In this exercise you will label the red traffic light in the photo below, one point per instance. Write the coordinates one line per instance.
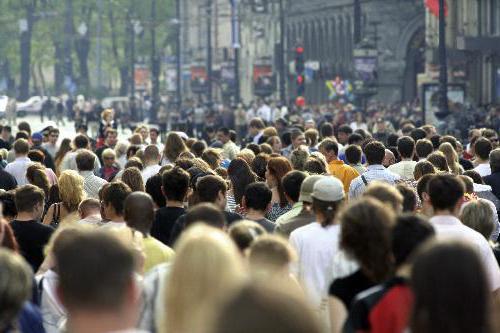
(299, 49)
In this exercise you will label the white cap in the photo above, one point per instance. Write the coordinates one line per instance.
(328, 189)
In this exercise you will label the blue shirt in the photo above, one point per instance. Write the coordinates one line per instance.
(373, 172)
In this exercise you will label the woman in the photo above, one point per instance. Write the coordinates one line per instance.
(277, 168)
(451, 158)
(71, 194)
(240, 175)
(38, 156)
(365, 236)
(359, 123)
(107, 121)
(259, 166)
(133, 178)
(275, 143)
(110, 168)
(439, 161)
(121, 153)
(451, 292)
(423, 168)
(35, 174)
(174, 146)
(64, 148)
(206, 269)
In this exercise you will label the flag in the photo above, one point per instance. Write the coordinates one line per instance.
(433, 6)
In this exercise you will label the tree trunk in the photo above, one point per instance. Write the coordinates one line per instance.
(36, 89)
(124, 72)
(68, 38)
(58, 67)
(82, 47)
(42, 78)
(25, 51)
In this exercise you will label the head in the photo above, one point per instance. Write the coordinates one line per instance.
(275, 143)
(389, 158)
(154, 134)
(89, 207)
(439, 161)
(270, 257)
(138, 212)
(478, 215)
(108, 157)
(406, 147)
(385, 193)
(153, 188)
(53, 135)
(423, 168)
(212, 189)
(71, 189)
(298, 158)
(113, 198)
(366, 236)
(446, 193)
(30, 199)
(292, 183)
(483, 148)
(374, 152)
(133, 178)
(223, 135)
(327, 197)
(111, 137)
(436, 307)
(277, 168)
(257, 197)
(409, 198)
(298, 138)
(85, 160)
(206, 213)
(259, 165)
(451, 157)
(198, 148)
(81, 142)
(353, 154)
(244, 233)
(343, 133)
(36, 155)
(35, 174)
(8, 205)
(495, 160)
(240, 175)
(255, 126)
(423, 148)
(21, 147)
(330, 149)
(174, 146)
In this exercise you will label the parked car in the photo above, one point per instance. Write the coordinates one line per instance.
(34, 104)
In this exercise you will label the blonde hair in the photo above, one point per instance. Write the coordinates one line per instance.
(270, 254)
(71, 189)
(206, 269)
(386, 194)
(270, 131)
(106, 113)
(121, 149)
(478, 216)
(108, 152)
(246, 154)
(133, 178)
(451, 157)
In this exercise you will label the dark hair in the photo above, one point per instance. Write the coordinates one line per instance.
(354, 138)
(8, 204)
(418, 134)
(326, 130)
(37, 176)
(439, 161)
(278, 167)
(366, 235)
(436, 141)
(85, 160)
(450, 139)
(253, 147)
(392, 140)
(224, 130)
(345, 129)
(406, 146)
(258, 196)
(27, 197)
(445, 191)
(36, 155)
(139, 212)
(440, 306)
(259, 165)
(21, 146)
(134, 162)
(495, 160)
(22, 135)
(408, 234)
(423, 148)
(108, 270)
(329, 145)
(81, 141)
(423, 168)
(207, 213)
(153, 188)
(314, 166)
(132, 150)
(212, 157)
(292, 182)
(422, 185)
(198, 148)
(24, 126)
(175, 184)
(328, 209)
(256, 123)
(483, 148)
(409, 197)
(208, 188)
(115, 194)
(353, 154)
(374, 152)
(240, 175)
(476, 177)
(244, 232)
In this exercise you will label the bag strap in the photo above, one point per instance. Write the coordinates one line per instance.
(363, 178)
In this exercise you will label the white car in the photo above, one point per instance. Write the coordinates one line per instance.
(34, 104)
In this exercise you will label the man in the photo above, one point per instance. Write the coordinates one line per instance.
(7, 181)
(229, 148)
(297, 138)
(291, 183)
(406, 149)
(482, 150)
(380, 131)
(69, 161)
(175, 186)
(306, 216)
(113, 198)
(139, 215)
(37, 140)
(5, 137)
(264, 111)
(330, 149)
(105, 297)
(151, 160)
(89, 211)
(85, 161)
(210, 189)
(51, 146)
(375, 153)
(256, 130)
(18, 167)
(423, 148)
(257, 202)
(31, 235)
(494, 179)
(353, 156)
(109, 142)
(154, 138)
(446, 196)
(343, 134)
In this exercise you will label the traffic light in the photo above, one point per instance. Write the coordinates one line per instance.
(299, 70)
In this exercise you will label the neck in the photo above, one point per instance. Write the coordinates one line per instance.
(25, 216)
(115, 218)
(253, 214)
(481, 161)
(444, 212)
(150, 163)
(98, 322)
(174, 203)
(21, 156)
(407, 159)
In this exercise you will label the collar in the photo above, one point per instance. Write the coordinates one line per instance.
(23, 158)
(445, 220)
(85, 173)
(375, 167)
(298, 204)
(337, 162)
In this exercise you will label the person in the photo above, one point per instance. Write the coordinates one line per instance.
(386, 194)
(18, 167)
(174, 146)
(35, 174)
(386, 308)
(133, 178)
(493, 180)
(406, 149)
(389, 158)
(139, 215)
(113, 199)
(229, 148)
(451, 158)
(5, 137)
(109, 168)
(353, 156)
(64, 148)
(244, 233)
(445, 195)
(85, 162)
(69, 160)
(256, 202)
(31, 235)
(291, 186)
(366, 236)
(298, 139)
(439, 161)
(410, 198)
(482, 150)
(71, 193)
(151, 160)
(423, 148)
(210, 255)
(240, 176)
(175, 186)
(7, 181)
(109, 299)
(298, 158)
(36, 144)
(375, 152)
(277, 168)
(306, 216)
(37, 156)
(330, 149)
(18, 314)
(153, 188)
(89, 211)
(423, 168)
(110, 141)
(317, 243)
(433, 269)
(51, 145)
(7, 201)
(256, 130)
(154, 138)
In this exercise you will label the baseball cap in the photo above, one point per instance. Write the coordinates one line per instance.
(37, 136)
(328, 189)
(306, 188)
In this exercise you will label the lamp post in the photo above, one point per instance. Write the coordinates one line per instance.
(235, 25)
(443, 70)
(209, 52)
(282, 53)
(178, 53)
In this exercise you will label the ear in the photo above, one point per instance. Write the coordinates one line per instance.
(268, 208)
(163, 191)
(244, 202)
(426, 197)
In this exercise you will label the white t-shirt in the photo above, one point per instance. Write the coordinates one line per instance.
(483, 169)
(450, 227)
(149, 172)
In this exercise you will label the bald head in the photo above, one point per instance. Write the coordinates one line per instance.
(139, 212)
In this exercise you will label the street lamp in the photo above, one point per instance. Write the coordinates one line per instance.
(235, 27)
(443, 70)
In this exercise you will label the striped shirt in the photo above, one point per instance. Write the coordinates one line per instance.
(374, 172)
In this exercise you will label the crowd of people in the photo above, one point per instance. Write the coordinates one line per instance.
(268, 223)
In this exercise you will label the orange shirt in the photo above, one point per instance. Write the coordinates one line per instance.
(343, 172)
